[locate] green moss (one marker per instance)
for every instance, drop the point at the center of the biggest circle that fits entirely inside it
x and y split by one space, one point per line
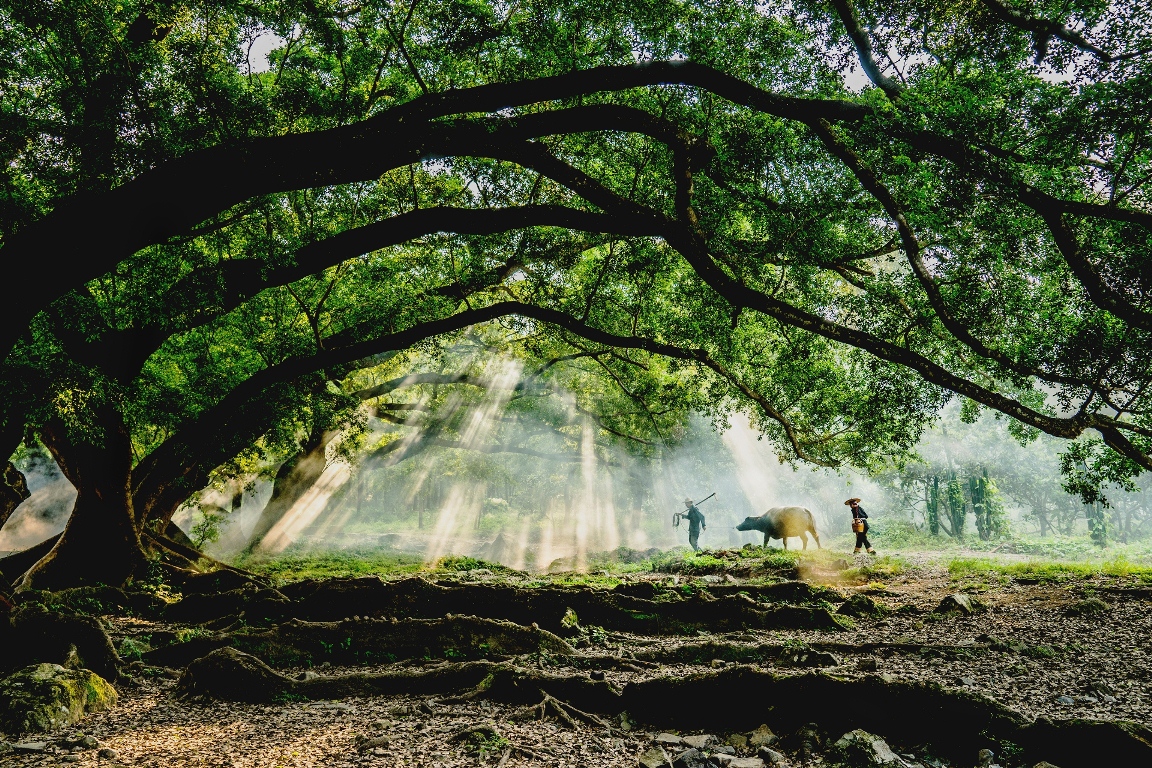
47 697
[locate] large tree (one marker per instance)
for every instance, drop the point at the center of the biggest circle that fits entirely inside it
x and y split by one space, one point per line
838 262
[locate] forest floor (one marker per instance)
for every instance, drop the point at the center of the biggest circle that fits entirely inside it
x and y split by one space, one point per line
1043 641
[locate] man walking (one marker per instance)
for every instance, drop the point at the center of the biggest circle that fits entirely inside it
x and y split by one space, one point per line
695 523
860 526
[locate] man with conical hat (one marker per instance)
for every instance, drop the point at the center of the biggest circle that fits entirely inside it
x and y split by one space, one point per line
695 523
860 526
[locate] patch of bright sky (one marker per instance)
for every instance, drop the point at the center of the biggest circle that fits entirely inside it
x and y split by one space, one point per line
260 48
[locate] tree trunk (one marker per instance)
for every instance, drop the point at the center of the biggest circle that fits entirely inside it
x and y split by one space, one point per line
100 544
13 490
293 479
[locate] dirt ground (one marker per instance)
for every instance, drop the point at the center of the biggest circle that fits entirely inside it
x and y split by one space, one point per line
1027 649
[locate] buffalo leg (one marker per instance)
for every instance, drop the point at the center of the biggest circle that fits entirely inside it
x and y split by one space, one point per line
816 536
804 540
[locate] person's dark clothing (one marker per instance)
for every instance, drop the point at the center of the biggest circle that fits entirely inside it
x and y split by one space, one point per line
858 513
695 520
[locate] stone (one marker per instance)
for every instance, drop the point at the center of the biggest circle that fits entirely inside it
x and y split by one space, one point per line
1089 607
108 754
1102 689
730 761
47 697
88 742
984 758
1044 764
966 681
718 663
960 603
691 758
653 758
596 674
860 606
364 743
860 749
724 749
1066 701
668 739
771 756
762 737
701 741
867 665
29 746
738 740
70 759
308 674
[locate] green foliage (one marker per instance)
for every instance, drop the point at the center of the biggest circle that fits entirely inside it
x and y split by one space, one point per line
133 649
779 284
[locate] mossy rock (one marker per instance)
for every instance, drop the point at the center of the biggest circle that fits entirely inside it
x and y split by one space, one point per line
861 606
47 697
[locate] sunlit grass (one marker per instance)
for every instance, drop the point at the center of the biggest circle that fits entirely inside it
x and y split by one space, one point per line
333 565
1047 570
878 569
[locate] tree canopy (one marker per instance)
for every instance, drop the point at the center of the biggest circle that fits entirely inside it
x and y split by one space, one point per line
669 207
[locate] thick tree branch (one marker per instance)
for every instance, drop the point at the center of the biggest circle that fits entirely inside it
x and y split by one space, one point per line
1044 29
846 10
174 197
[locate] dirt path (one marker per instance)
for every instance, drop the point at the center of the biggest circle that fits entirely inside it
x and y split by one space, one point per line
1027 649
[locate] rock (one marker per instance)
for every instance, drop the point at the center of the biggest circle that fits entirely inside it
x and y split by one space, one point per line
724 749
108 754
762 737
596 675
668 739
771 756
968 682
718 663
1102 689
728 761
46 697
859 749
308 674
70 759
984 758
960 603
1066 701
861 606
867 665
738 740
364 743
653 758
29 746
88 742
692 758
1089 607
701 741
1044 764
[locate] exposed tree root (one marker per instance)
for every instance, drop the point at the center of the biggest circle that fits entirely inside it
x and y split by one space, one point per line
296 642
417 598
739 698
562 711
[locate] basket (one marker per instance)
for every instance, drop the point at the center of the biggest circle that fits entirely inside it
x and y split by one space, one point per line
857 525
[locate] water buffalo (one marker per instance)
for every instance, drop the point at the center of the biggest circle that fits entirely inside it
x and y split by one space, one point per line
782 523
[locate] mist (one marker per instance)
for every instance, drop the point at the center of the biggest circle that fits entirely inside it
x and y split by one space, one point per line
45 512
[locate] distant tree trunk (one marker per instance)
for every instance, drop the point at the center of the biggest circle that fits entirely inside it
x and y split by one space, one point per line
13 490
933 506
101 542
293 479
